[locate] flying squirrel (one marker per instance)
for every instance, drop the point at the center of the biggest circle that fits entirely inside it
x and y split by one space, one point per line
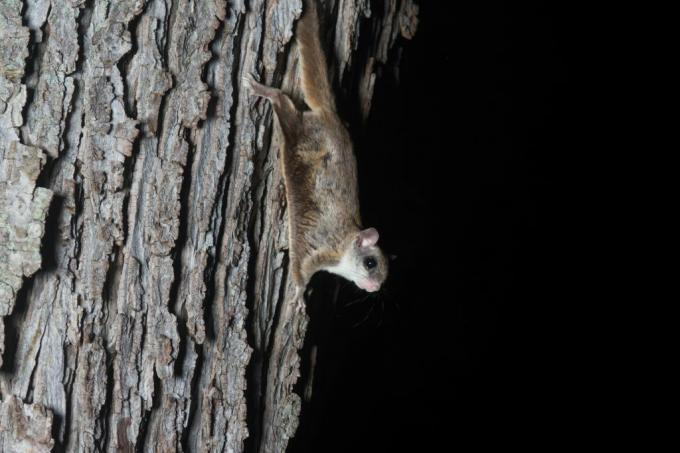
320 175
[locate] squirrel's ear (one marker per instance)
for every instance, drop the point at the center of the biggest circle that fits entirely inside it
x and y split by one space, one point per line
367 237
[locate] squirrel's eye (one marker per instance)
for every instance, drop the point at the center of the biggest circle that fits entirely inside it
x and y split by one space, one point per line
370 262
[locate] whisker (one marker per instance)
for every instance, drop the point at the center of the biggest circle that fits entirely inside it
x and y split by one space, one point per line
382 312
357 300
365 318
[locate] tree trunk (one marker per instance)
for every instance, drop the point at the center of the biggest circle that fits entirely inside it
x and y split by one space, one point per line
143 230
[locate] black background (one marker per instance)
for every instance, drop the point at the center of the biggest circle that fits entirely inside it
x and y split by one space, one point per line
459 171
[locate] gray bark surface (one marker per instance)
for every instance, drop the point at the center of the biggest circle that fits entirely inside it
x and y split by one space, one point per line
144 293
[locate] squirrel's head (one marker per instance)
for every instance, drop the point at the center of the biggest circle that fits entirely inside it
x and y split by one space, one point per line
363 262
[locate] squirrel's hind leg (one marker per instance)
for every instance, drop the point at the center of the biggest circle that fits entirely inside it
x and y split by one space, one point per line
288 115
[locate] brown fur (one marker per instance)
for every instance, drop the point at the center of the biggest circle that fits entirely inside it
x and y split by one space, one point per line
318 163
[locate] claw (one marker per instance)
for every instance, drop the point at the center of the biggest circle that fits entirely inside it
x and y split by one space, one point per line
257 89
249 82
300 305
254 86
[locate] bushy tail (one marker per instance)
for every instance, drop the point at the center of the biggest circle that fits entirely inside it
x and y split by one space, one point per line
316 87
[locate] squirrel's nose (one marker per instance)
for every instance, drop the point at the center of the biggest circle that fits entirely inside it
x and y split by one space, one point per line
372 287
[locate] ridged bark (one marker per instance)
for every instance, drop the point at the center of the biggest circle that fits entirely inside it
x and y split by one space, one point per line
143 235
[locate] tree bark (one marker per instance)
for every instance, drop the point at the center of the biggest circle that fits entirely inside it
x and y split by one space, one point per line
143 230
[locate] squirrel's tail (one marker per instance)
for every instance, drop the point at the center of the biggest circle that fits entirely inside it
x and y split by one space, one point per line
315 84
